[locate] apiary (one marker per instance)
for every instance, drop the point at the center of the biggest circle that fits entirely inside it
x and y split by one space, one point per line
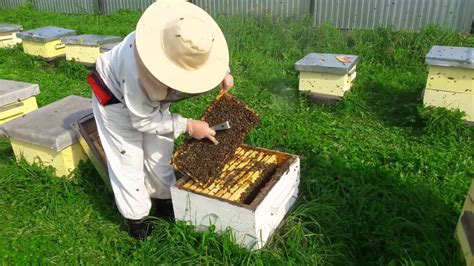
86 48
450 82
8 36
465 228
327 75
45 42
45 135
231 185
16 99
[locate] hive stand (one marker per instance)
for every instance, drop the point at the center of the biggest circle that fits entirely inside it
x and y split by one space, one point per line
85 49
8 36
465 228
108 47
45 42
16 99
450 81
46 136
325 77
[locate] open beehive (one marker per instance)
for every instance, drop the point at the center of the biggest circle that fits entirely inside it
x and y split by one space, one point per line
244 188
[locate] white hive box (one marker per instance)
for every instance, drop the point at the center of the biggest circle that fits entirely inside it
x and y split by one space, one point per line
450 81
324 75
16 99
8 36
86 48
46 136
465 228
253 219
45 42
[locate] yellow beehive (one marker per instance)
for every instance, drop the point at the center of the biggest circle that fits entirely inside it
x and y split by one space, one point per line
16 99
450 82
465 228
8 36
45 42
450 100
45 136
86 48
327 74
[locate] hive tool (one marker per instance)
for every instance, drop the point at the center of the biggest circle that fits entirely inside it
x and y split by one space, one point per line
222 126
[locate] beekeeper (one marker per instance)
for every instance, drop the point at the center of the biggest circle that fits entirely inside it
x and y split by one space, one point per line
177 51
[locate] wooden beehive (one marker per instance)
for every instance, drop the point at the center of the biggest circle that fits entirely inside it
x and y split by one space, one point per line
86 48
450 82
45 135
252 195
16 99
8 36
45 42
325 75
465 228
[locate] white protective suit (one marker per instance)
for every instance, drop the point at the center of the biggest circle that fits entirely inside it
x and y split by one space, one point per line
137 134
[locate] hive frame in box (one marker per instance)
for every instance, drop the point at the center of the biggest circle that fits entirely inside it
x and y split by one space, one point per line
83 128
252 224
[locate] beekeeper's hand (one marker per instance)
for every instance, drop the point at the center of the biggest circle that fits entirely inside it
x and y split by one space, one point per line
227 83
200 130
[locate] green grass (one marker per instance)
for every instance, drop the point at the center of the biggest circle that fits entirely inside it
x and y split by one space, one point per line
383 179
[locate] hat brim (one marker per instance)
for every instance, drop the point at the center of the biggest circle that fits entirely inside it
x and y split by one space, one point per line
149 34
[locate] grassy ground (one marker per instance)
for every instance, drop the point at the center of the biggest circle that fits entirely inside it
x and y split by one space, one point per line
383 179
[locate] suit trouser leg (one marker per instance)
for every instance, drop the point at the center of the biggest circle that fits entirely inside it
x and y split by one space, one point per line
123 146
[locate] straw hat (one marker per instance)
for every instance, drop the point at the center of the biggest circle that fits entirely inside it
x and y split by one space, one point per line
182 46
